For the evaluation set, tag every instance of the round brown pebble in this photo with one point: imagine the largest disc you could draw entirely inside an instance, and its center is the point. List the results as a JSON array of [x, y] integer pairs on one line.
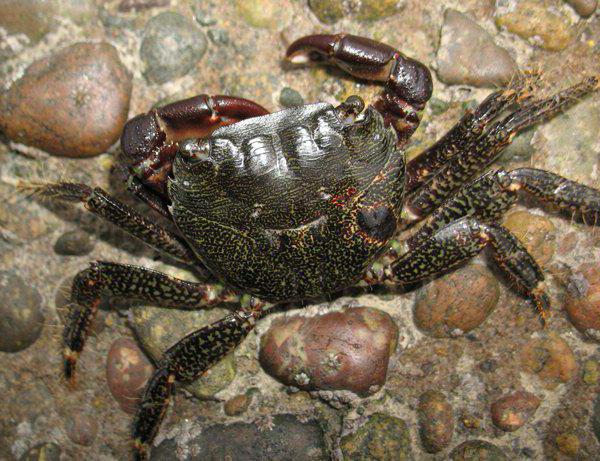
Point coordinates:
[[445, 309], [477, 450], [127, 371], [43, 452], [82, 429], [584, 8], [583, 300], [551, 359], [568, 444], [436, 422], [237, 405], [74, 243], [510, 412], [537, 233], [73, 103], [349, 350]]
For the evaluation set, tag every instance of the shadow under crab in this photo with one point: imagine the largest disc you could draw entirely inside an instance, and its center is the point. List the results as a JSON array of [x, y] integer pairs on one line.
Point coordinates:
[[294, 205]]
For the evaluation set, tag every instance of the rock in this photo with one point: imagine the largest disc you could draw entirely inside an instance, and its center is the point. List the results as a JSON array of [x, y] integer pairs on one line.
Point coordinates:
[[20, 312], [137, 5], [510, 412], [171, 47], [551, 359], [20, 220], [537, 233], [328, 11], [263, 14], [73, 103], [281, 437], [238, 404], [346, 350], [584, 8], [218, 36], [290, 98], [382, 437], [43, 452], [30, 17], [477, 450], [436, 421], [74, 243], [583, 300], [467, 54], [443, 310], [372, 10], [127, 372], [596, 417], [591, 372], [158, 329], [82, 428], [568, 444], [520, 149], [538, 22]]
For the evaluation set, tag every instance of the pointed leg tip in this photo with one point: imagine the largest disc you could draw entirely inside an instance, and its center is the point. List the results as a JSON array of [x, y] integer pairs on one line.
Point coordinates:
[[70, 364], [139, 450]]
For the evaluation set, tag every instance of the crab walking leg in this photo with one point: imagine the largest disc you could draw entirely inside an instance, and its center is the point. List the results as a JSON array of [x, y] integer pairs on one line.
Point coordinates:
[[460, 241], [468, 129], [130, 282], [184, 362], [486, 148], [491, 195], [102, 204], [150, 140], [408, 83]]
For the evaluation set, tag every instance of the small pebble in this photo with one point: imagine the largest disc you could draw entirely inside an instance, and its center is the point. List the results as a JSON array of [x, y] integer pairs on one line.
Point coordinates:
[[279, 437], [328, 11], [551, 359], [218, 36], [373, 10], [382, 437], [584, 8], [510, 412], [238, 404], [467, 54], [443, 310], [263, 14], [477, 450], [73, 103], [171, 47], [436, 421], [290, 98], [43, 452], [583, 300], [568, 444], [74, 243], [537, 22], [346, 350], [127, 372], [158, 329], [537, 233], [82, 428], [591, 372], [20, 313]]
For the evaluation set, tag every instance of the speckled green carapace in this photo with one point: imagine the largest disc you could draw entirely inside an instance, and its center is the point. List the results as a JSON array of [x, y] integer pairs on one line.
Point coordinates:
[[290, 205]]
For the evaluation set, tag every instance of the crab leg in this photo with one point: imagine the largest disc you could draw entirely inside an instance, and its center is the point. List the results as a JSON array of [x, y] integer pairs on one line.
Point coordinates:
[[102, 204], [408, 83], [184, 362], [461, 240], [150, 141], [103, 279], [483, 150]]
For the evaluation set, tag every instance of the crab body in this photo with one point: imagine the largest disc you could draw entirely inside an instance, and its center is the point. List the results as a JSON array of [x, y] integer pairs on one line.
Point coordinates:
[[290, 205]]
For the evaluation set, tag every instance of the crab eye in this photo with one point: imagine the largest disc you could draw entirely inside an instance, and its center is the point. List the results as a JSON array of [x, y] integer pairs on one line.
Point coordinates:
[[377, 222]]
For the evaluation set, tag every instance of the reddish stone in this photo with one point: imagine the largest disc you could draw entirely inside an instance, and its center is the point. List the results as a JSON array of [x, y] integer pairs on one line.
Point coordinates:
[[436, 421], [349, 350], [73, 103], [551, 359], [583, 300], [510, 412], [127, 371], [82, 429]]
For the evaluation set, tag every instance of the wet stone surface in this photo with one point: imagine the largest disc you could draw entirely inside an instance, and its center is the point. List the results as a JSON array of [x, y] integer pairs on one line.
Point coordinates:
[[436, 421], [42, 452], [73, 103], [74, 243], [283, 437], [510, 412], [381, 437], [468, 55], [82, 428], [583, 300], [551, 359], [172, 46], [442, 310], [127, 371], [476, 450], [347, 350], [536, 232], [20, 312], [584, 8]]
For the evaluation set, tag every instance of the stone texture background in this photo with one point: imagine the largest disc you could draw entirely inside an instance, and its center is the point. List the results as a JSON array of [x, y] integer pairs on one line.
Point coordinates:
[[478, 345]]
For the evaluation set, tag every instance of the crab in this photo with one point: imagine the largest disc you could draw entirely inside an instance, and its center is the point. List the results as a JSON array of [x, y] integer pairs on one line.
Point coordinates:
[[294, 205]]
